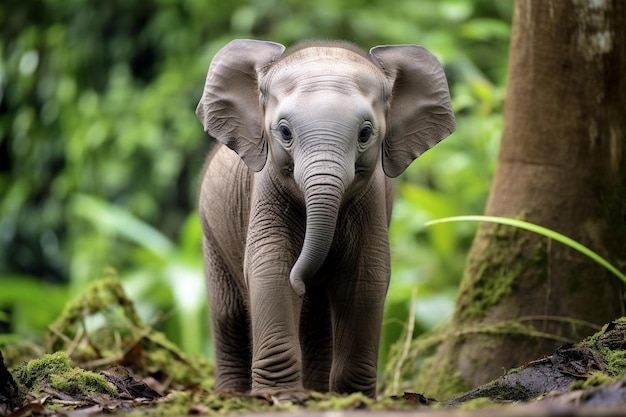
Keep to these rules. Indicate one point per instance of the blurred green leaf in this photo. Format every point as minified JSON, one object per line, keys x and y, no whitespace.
{"x":486,"y":29}
{"x":117,"y":221}
{"x":22,"y":296}
{"x":456,"y":10}
{"x":435,"y":204}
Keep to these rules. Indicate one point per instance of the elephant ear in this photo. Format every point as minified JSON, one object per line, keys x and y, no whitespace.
{"x":230,"y":109}
{"x":420,"y":113}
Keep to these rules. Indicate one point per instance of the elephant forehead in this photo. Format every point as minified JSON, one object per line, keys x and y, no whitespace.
{"x":326,"y":68}
{"x":330,"y":106}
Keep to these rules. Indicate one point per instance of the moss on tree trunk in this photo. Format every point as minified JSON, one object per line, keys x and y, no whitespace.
{"x":561,"y":165}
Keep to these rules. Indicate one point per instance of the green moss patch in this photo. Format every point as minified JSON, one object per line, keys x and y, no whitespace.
{"x":510,"y":252}
{"x":55,"y":371}
{"x":610,"y":346}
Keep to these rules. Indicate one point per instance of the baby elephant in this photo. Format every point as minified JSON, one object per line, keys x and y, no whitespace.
{"x":295,"y":208}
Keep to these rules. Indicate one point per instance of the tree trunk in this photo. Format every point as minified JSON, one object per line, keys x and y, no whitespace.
{"x":562,"y":165}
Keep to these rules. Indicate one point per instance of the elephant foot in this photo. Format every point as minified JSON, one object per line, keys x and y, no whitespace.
{"x":297,"y":397}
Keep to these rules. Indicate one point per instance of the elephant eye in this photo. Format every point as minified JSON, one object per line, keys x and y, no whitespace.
{"x":285,"y":133}
{"x":365,"y":133}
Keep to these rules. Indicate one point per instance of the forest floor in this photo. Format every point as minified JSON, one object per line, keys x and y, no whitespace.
{"x":125,"y":367}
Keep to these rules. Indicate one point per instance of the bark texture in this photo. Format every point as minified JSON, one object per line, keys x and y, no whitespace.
{"x":562,"y":165}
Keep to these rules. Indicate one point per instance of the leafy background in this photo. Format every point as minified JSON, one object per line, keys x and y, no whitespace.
{"x":100,"y":150}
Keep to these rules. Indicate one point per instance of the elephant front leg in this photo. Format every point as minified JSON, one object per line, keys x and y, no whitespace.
{"x":357,"y":305}
{"x":275,"y":311}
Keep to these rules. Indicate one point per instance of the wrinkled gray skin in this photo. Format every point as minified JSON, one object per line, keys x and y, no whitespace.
{"x":295,"y":219}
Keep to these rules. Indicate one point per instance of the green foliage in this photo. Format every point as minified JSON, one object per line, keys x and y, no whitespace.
{"x":27,"y":313}
{"x":100,"y":150}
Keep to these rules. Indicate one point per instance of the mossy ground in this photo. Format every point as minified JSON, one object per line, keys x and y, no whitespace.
{"x":55,"y":370}
{"x":186,"y":381}
{"x":190,"y":402}
{"x":607,"y":348}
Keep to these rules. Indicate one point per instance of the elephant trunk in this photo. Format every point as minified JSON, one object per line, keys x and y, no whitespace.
{"x":323,"y":194}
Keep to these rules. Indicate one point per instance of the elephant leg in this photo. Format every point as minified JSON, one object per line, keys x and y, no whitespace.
{"x":316,"y":340}
{"x":276,"y":353}
{"x":230,"y":324}
{"x":357,"y":309}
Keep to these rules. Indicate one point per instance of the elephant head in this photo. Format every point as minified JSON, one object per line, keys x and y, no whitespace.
{"x":328,"y":115}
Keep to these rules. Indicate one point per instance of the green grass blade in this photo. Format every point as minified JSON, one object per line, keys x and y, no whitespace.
{"x":539,"y":230}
